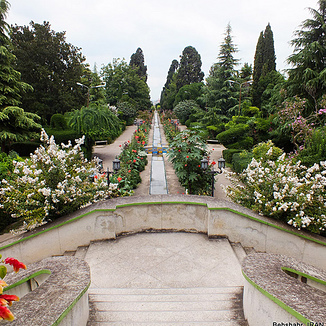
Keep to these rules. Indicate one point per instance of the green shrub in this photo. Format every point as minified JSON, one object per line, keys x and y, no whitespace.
{"x":126,"y":112}
{"x":184,"y":109}
{"x":63,"y":136}
{"x":245,"y":143}
{"x":228,"y":154}
{"x":58,"y":122}
{"x":250,"y":111}
{"x":260,"y":151}
{"x":241,"y":160}
{"x":233,"y":135}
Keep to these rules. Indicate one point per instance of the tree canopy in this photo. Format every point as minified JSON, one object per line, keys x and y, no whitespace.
{"x":190,"y":68}
{"x":123,"y":84}
{"x":307,"y":78}
{"x":51,"y":65}
{"x":15,"y":123}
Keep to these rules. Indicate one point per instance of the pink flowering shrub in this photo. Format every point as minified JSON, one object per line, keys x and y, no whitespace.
{"x":282,"y":189}
{"x":54,"y":181}
{"x":292,"y":117}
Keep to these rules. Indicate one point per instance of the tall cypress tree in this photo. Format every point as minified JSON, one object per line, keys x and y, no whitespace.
{"x":137,"y":60}
{"x":264,"y":63}
{"x":190,"y":68}
{"x":169,"y":90}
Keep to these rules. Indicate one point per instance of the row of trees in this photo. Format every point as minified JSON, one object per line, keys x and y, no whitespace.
{"x":185,"y":79}
{"x":41,"y":76}
{"x":289,"y":110}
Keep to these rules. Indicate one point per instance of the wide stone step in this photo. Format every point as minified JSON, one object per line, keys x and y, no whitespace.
{"x":188,"y":323}
{"x":181,"y":306}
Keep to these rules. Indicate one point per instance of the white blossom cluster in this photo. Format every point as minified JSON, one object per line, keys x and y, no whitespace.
{"x":283,"y":189}
{"x":54,"y":181}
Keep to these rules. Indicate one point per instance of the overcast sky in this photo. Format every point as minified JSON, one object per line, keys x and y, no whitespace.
{"x":106,"y":29}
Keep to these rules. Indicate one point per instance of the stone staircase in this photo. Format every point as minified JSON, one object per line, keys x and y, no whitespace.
{"x":167,"y":306}
{"x":173,"y":306}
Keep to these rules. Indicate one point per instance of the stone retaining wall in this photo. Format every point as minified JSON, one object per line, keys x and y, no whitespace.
{"x":108,"y":219}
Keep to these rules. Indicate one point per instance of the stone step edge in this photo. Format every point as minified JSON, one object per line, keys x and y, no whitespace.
{"x":192,"y":290}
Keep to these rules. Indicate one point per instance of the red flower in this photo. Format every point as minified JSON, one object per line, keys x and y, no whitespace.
{"x":199,"y":165}
{"x":8,"y":299}
{"x":143,"y":143}
{"x":6,"y":314}
{"x":213,"y":163}
{"x":119,"y":179}
{"x":134,"y":161}
{"x":145,"y":130}
{"x":187,"y":156}
{"x":95,"y":176}
{"x":213,"y":149}
{"x":119,"y":145}
{"x":15,"y":264}
{"x":136,"y":137}
{"x":185,"y":164}
{"x":129,"y":171}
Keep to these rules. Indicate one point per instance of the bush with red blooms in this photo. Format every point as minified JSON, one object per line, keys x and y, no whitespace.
{"x":6,"y":299}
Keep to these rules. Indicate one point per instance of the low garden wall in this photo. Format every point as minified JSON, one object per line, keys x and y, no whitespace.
{"x":109,"y":219}
{"x":52,"y":292}
{"x":281,"y":291}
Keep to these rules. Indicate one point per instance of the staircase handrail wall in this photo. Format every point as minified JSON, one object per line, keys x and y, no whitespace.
{"x":216,"y":218}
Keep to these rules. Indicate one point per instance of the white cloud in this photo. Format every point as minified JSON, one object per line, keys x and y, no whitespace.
{"x":163,"y":28}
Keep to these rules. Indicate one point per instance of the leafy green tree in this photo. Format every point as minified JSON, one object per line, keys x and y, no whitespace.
{"x":169,"y":90}
{"x":51,"y":65}
{"x":123,"y":84}
{"x":184,"y":109}
{"x":126,"y":112}
{"x":264,"y":64}
{"x":137,"y":61}
{"x":219,"y":93}
{"x":189,"y":92}
{"x":307,"y":77}
{"x":190,"y":68}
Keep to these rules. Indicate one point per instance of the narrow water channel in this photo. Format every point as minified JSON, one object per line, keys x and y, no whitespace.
{"x":158,"y":185}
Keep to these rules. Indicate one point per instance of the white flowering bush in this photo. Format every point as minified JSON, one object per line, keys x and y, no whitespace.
{"x":282,"y":189}
{"x":54,"y":181}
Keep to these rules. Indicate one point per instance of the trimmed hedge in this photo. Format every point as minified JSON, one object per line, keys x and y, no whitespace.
{"x":233,"y":135}
{"x":25,"y":148}
{"x":228,"y":154}
{"x":58,"y":122}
